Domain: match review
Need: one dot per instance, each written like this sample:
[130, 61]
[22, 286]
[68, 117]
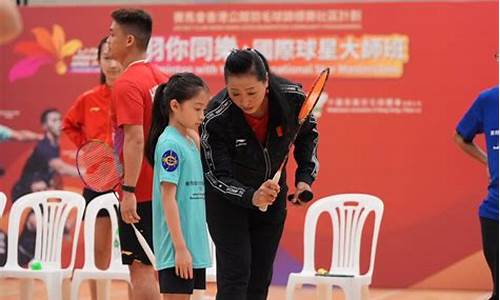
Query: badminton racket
[306, 109]
[100, 169]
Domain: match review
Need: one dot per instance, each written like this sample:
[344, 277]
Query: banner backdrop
[402, 76]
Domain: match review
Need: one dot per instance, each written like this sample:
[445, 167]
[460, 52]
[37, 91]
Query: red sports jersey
[132, 99]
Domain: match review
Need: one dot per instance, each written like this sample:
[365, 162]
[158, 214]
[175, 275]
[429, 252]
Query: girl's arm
[183, 260]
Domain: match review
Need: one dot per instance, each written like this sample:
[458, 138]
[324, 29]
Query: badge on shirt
[170, 160]
[279, 131]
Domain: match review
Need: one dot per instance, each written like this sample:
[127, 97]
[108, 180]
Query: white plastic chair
[52, 209]
[3, 202]
[116, 270]
[348, 213]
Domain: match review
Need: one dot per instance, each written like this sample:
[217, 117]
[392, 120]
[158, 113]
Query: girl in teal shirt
[180, 236]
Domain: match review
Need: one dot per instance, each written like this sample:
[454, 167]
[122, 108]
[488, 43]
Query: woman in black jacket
[245, 137]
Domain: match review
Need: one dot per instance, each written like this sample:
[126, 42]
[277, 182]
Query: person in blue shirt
[180, 236]
[45, 158]
[482, 118]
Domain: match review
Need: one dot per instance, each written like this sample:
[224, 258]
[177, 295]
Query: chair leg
[323, 292]
[66, 289]
[75, 286]
[353, 292]
[290, 288]
[26, 289]
[103, 287]
[54, 282]
[365, 292]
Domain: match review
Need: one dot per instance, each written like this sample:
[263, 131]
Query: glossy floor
[9, 290]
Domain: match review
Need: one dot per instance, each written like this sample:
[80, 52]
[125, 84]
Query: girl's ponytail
[181, 87]
[159, 121]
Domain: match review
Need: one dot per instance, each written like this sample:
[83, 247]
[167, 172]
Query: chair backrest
[348, 213]
[52, 209]
[3, 202]
[109, 203]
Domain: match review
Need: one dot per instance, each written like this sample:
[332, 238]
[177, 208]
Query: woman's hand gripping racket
[306, 109]
[100, 169]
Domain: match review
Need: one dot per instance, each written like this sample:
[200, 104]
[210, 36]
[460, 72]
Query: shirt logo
[94, 109]
[494, 133]
[152, 92]
[170, 161]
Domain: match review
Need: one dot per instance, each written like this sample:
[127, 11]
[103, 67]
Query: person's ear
[174, 105]
[130, 40]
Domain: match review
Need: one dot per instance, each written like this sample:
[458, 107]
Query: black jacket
[236, 163]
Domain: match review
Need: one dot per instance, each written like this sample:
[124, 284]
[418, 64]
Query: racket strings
[99, 166]
[308, 106]
[313, 95]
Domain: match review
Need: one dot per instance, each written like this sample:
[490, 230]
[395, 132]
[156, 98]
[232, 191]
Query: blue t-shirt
[178, 161]
[482, 117]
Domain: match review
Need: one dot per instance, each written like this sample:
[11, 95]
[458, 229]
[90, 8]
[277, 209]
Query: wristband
[128, 188]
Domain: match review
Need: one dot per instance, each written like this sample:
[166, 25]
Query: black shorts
[131, 249]
[170, 283]
[89, 195]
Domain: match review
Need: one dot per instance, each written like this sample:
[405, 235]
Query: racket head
[99, 167]
[313, 95]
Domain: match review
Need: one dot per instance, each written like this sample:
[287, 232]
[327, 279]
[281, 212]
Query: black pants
[489, 229]
[246, 242]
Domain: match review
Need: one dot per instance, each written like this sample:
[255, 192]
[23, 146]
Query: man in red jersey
[132, 99]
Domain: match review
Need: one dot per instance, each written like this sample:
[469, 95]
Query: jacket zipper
[268, 163]
[267, 158]
[265, 152]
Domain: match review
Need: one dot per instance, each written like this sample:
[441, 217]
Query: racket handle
[276, 179]
[145, 246]
[304, 196]
[277, 176]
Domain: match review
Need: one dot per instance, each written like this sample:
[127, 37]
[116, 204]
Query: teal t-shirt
[178, 161]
